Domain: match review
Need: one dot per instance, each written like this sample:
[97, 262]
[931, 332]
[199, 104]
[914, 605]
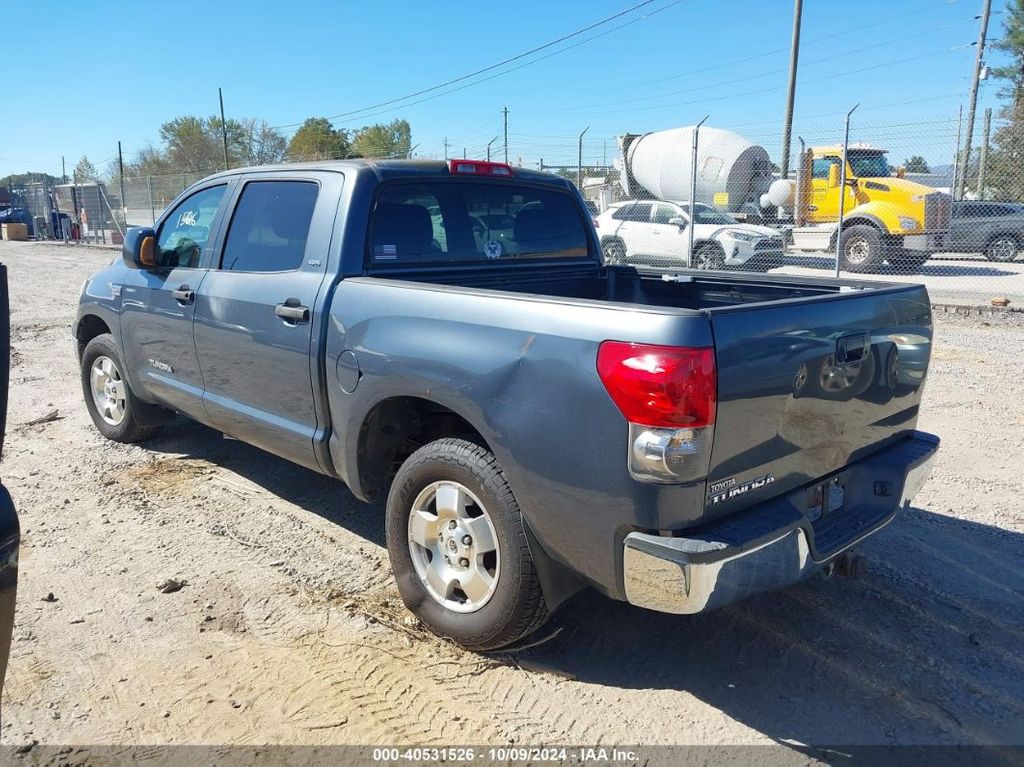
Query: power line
[489, 68]
[578, 110]
[733, 62]
[773, 72]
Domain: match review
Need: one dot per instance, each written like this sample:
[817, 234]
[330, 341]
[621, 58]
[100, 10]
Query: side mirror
[833, 174]
[678, 221]
[139, 248]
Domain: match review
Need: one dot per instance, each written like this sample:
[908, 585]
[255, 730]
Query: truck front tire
[118, 414]
[458, 547]
[861, 249]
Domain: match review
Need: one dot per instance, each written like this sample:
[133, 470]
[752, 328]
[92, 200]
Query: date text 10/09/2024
[504, 754]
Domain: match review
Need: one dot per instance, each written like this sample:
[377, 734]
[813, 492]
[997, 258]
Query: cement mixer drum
[731, 172]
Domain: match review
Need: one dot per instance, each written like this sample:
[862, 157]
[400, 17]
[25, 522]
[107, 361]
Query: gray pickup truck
[447, 336]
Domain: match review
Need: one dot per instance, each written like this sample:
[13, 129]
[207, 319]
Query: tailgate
[809, 385]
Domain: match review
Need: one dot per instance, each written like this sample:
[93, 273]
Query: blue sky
[116, 70]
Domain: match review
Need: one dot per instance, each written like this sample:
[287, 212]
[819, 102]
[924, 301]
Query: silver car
[993, 228]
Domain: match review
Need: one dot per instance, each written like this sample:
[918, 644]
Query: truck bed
[665, 289]
[812, 373]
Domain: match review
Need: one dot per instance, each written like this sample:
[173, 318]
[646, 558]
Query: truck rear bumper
[776, 543]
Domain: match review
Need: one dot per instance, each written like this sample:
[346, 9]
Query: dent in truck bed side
[522, 371]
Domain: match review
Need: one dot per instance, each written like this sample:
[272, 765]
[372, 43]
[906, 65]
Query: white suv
[653, 232]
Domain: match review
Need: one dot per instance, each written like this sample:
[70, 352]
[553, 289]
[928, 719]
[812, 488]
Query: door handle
[184, 294]
[292, 311]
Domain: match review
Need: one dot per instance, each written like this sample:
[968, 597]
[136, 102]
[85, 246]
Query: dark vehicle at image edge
[9, 531]
[538, 422]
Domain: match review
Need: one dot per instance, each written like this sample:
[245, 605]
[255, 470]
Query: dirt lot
[288, 629]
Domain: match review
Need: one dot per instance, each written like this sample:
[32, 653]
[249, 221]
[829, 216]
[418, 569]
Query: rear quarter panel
[522, 371]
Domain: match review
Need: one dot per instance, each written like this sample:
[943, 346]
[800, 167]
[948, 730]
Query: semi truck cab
[885, 216]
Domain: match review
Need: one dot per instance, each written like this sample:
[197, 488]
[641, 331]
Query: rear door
[256, 312]
[806, 386]
[635, 228]
[668, 240]
[158, 304]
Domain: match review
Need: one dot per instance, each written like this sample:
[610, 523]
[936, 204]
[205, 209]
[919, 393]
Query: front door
[256, 311]
[158, 305]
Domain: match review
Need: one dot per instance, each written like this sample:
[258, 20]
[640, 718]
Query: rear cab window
[443, 221]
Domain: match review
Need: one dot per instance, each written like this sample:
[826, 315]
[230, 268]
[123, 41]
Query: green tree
[1005, 175]
[1012, 44]
[85, 171]
[317, 139]
[191, 144]
[916, 164]
[391, 140]
[259, 144]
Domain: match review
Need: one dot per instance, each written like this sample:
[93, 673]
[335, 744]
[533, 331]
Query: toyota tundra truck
[535, 421]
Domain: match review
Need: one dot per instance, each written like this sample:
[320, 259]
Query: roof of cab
[386, 169]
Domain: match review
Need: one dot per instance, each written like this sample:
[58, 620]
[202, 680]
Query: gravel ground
[950, 278]
[288, 630]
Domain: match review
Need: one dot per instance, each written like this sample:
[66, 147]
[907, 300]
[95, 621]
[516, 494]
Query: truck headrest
[407, 227]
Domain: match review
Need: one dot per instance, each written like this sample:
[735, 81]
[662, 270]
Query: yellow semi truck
[885, 216]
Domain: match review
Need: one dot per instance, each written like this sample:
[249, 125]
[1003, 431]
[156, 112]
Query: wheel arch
[395, 427]
[87, 328]
[861, 219]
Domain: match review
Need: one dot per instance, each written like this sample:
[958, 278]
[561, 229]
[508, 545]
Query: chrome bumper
[692, 575]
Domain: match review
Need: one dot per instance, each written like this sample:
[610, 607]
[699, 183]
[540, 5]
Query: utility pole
[489, 148]
[794, 58]
[983, 160]
[965, 159]
[579, 164]
[223, 127]
[63, 171]
[120, 182]
[446, 148]
[505, 113]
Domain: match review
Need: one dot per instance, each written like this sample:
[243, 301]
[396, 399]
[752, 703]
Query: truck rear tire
[861, 249]
[458, 547]
[118, 414]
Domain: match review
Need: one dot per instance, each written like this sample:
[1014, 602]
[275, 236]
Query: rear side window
[270, 225]
[473, 221]
[637, 211]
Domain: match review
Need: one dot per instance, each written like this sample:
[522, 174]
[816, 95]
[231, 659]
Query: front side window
[269, 228]
[473, 221]
[186, 230]
[821, 166]
[869, 165]
[663, 214]
[705, 214]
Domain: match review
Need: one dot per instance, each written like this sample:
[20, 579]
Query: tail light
[668, 394]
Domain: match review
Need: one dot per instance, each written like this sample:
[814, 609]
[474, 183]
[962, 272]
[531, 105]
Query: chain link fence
[904, 206]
